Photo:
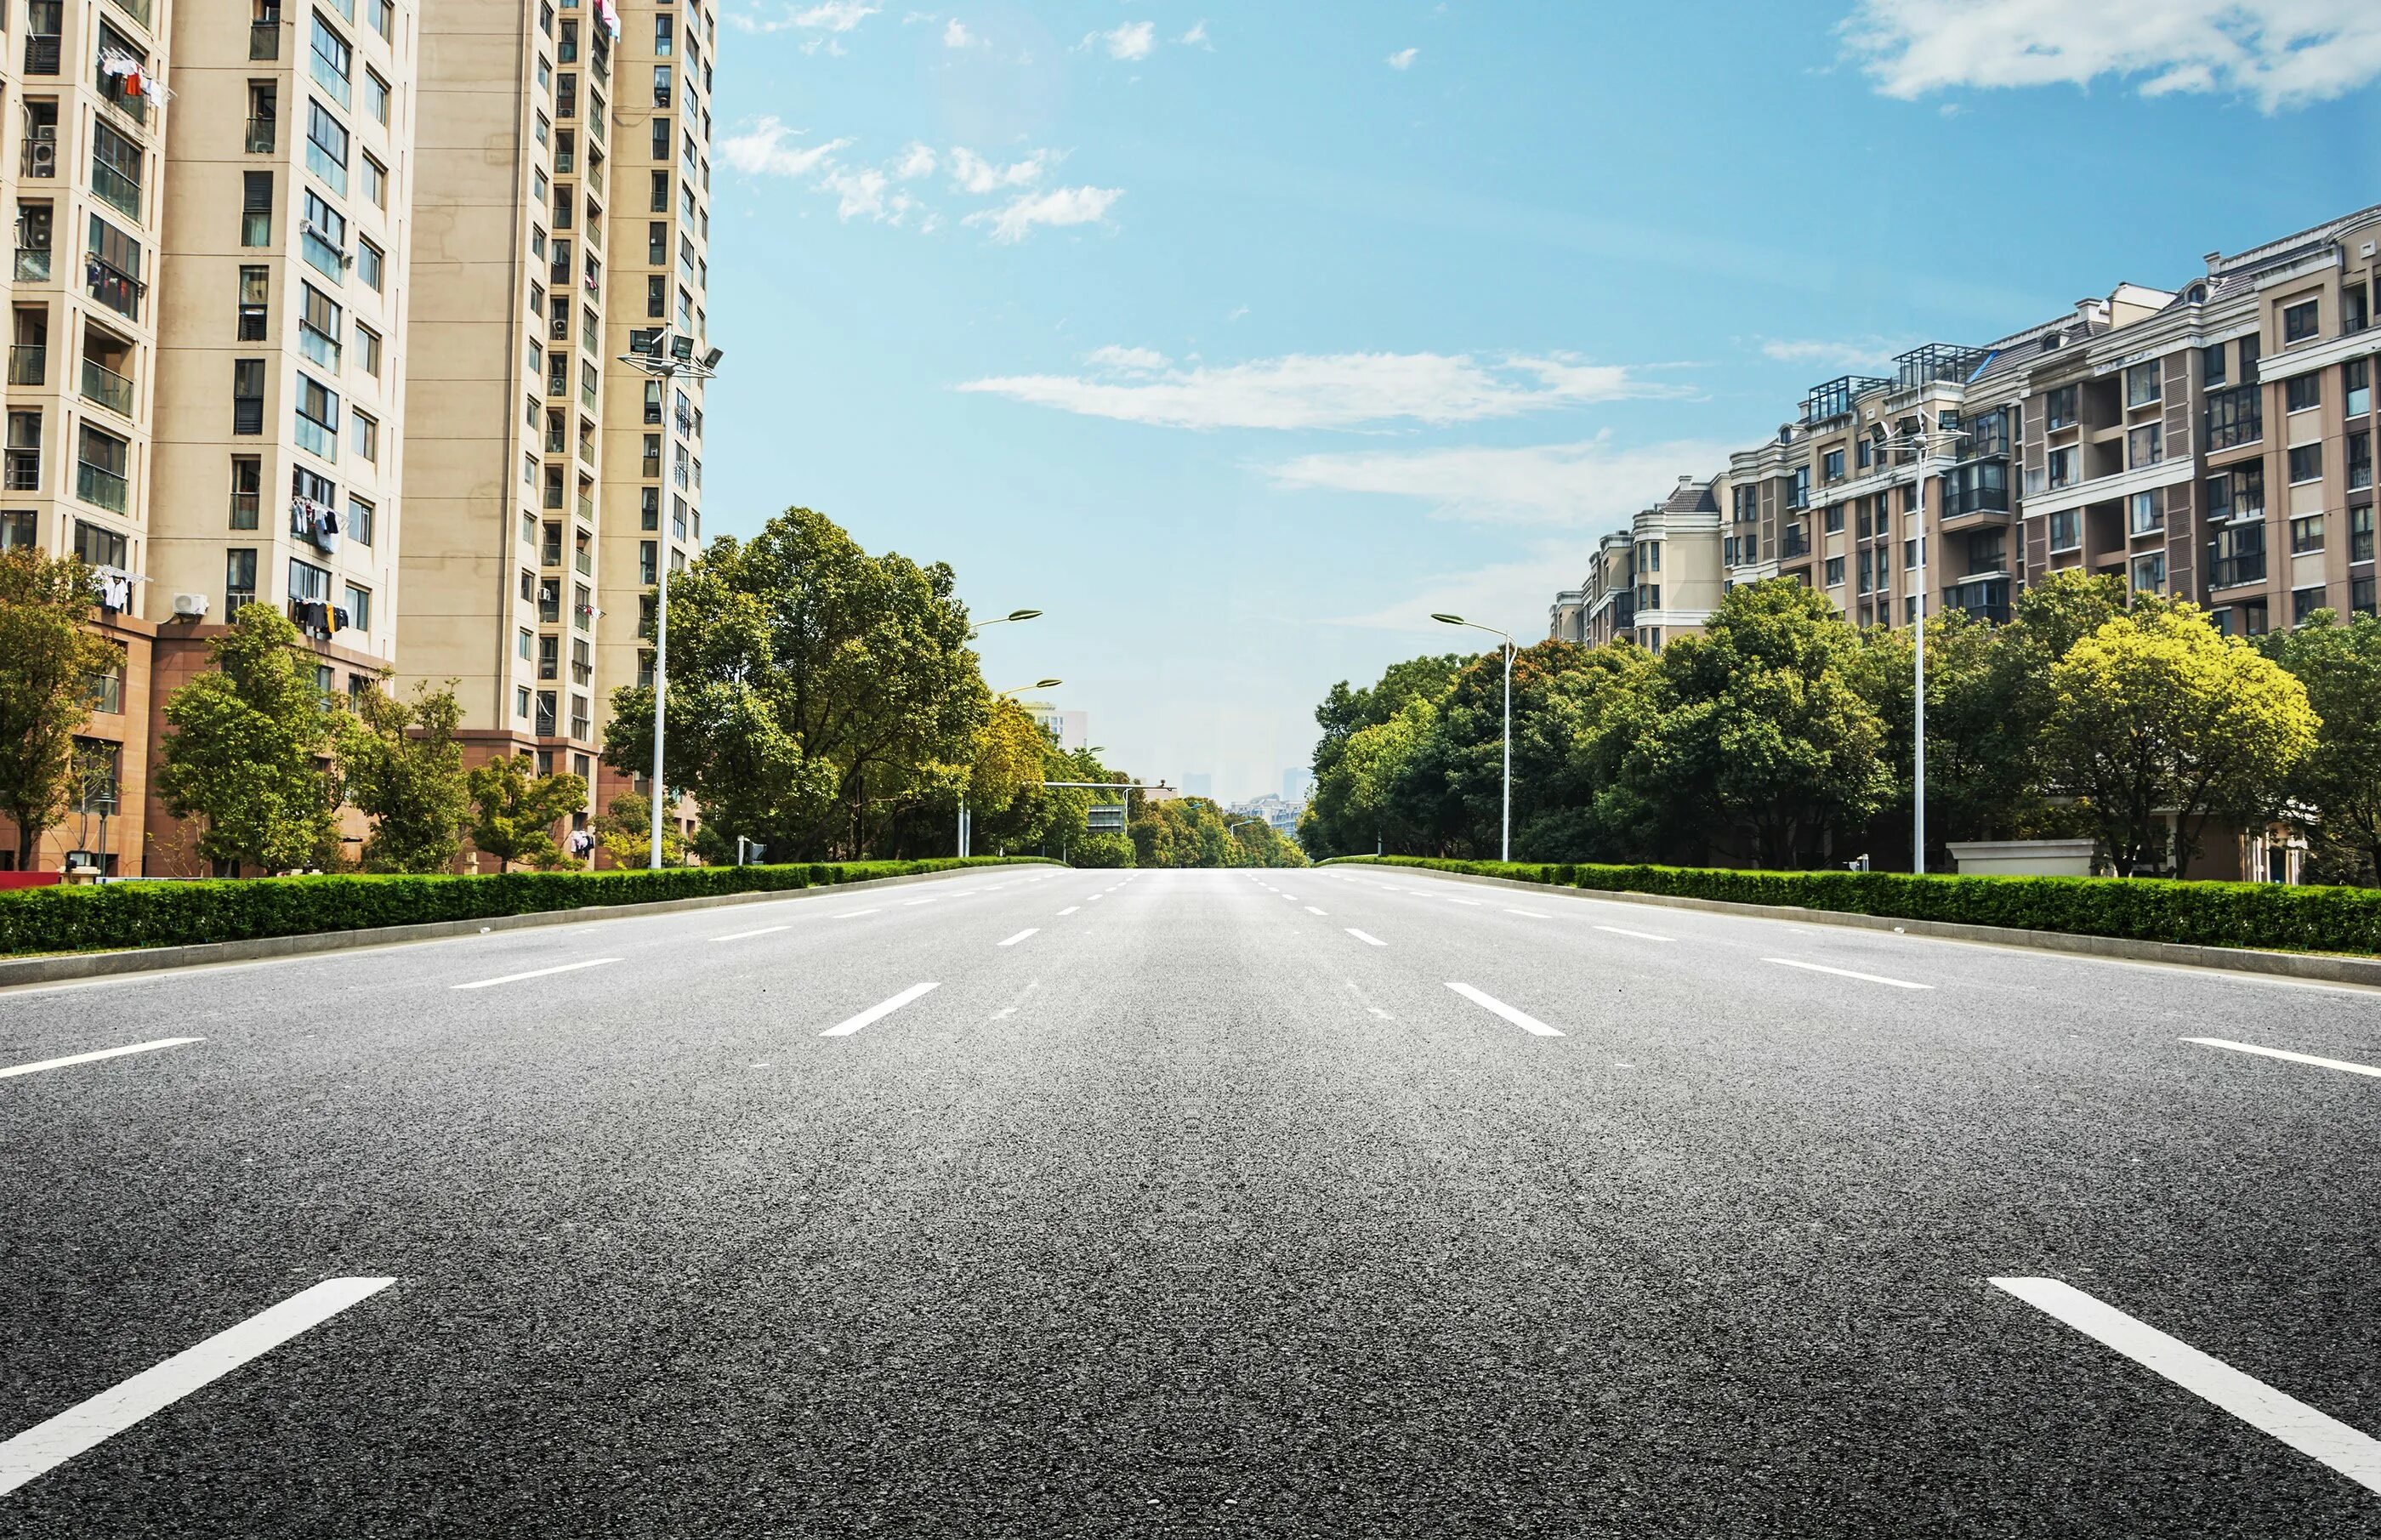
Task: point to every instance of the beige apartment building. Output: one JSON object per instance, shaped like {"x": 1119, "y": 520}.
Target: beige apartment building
{"x": 1660, "y": 578}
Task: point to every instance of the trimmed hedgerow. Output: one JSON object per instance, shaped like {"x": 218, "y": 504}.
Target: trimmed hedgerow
{"x": 116, "y": 915}
{"x": 2269, "y": 916}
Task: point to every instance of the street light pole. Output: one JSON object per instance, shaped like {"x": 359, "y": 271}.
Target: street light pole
{"x": 1506, "y": 850}
{"x": 967, "y": 824}
{"x": 665, "y": 355}
{"x": 1922, "y": 447}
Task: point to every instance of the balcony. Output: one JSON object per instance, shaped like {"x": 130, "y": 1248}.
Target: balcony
{"x": 108, "y": 388}
{"x": 2235, "y": 417}
{"x": 1798, "y": 543}
{"x": 111, "y": 91}
{"x": 101, "y": 487}
{"x": 262, "y": 134}
{"x": 137, "y": 9}
{"x": 21, "y": 471}
{"x": 2236, "y": 571}
{"x": 119, "y": 190}
{"x": 263, "y": 40}
{"x": 29, "y": 364}
{"x": 42, "y": 53}
{"x": 118, "y": 291}
{"x": 1984, "y": 598}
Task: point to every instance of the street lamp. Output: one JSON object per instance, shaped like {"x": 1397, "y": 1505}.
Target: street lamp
{"x": 1505, "y": 853}
{"x": 967, "y": 824}
{"x": 977, "y": 629}
{"x": 660, "y": 353}
{"x": 1928, "y": 443}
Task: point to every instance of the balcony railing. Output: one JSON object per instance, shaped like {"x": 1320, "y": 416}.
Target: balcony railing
{"x": 22, "y": 470}
{"x": 264, "y": 40}
{"x": 117, "y": 189}
{"x": 586, "y": 509}
{"x": 101, "y": 487}
{"x": 261, "y": 133}
{"x": 41, "y": 52}
{"x": 108, "y": 388}
{"x": 2236, "y": 571}
{"x": 585, "y": 563}
{"x": 111, "y": 91}
{"x": 29, "y": 364}
{"x": 236, "y": 600}
{"x": 1798, "y": 544}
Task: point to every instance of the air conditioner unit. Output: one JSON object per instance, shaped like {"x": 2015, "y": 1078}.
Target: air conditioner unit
{"x": 42, "y": 155}
{"x": 189, "y": 606}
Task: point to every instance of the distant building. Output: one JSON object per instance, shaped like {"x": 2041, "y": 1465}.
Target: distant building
{"x": 1279, "y": 811}
{"x": 1070, "y": 730}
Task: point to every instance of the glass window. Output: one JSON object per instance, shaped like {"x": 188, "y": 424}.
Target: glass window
{"x": 2211, "y": 366}
{"x": 2145, "y": 444}
{"x": 2356, "y": 386}
{"x": 2066, "y": 530}
{"x": 256, "y": 208}
{"x": 2303, "y": 392}
{"x": 368, "y": 348}
{"x": 325, "y": 243}
{"x": 376, "y": 180}
{"x": 369, "y": 265}
{"x": 319, "y": 323}
{"x": 376, "y": 97}
{"x": 331, "y": 60}
{"x": 2360, "y": 460}
{"x": 359, "y": 607}
{"x": 2143, "y": 385}
{"x": 384, "y": 19}
{"x": 2149, "y": 573}
{"x": 2298, "y": 323}
{"x": 318, "y": 418}
{"x": 366, "y": 432}
{"x": 362, "y": 516}
{"x": 2306, "y": 463}
{"x": 2360, "y": 534}
{"x": 2306, "y": 534}
{"x": 326, "y": 148}
{"x": 2145, "y": 513}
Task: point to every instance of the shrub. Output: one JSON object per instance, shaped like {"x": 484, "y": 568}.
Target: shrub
{"x": 2265, "y": 915}
{"x": 116, "y": 915}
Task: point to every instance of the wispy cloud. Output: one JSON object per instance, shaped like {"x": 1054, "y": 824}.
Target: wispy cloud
{"x": 972, "y": 173}
{"x": 836, "y": 16}
{"x": 956, "y": 35}
{"x": 1864, "y": 352}
{"x": 2281, "y": 52}
{"x": 1196, "y": 37}
{"x": 1511, "y": 594}
{"x": 1589, "y": 483}
{"x": 1013, "y": 221}
{"x": 1130, "y": 39}
{"x": 1338, "y": 390}
{"x": 916, "y": 161}
{"x": 765, "y": 151}
{"x": 1132, "y": 360}
{"x": 1403, "y": 58}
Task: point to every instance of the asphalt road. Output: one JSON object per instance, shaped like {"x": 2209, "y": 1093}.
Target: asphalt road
{"x": 1192, "y": 1211}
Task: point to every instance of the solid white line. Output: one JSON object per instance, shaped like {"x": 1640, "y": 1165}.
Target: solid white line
{"x": 1068, "y": 910}
{"x": 1845, "y": 974}
{"x": 47, "y": 1445}
{"x": 537, "y": 973}
{"x": 1529, "y": 914}
{"x": 96, "y": 1054}
{"x": 1367, "y": 940}
{"x": 1642, "y": 936}
{"x": 854, "y": 914}
{"x": 2354, "y": 1455}
{"x": 1030, "y": 930}
{"x": 1520, "y": 1018}
{"x": 878, "y": 1012}
{"x": 1311, "y": 909}
{"x": 2238, "y": 1049}
{"x": 741, "y": 935}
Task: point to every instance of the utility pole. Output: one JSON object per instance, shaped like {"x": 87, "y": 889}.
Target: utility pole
{"x": 1506, "y": 850}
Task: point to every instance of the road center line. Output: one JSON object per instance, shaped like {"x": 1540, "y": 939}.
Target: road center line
{"x": 2353, "y": 1454}
{"x": 854, "y": 914}
{"x": 1520, "y": 1018}
{"x": 1311, "y": 909}
{"x": 2242, "y": 1048}
{"x": 1068, "y": 910}
{"x": 1845, "y": 974}
{"x": 1529, "y": 914}
{"x": 538, "y": 972}
{"x": 1095, "y": 898}
{"x": 1367, "y": 940}
{"x": 745, "y": 936}
{"x": 96, "y": 1054}
{"x": 913, "y": 903}
{"x": 1642, "y": 936}
{"x": 1030, "y": 930}
{"x": 878, "y": 1012}
{"x": 1468, "y": 904}
{"x": 48, "y": 1444}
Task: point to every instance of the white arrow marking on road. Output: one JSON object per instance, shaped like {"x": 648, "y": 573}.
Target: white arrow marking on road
{"x": 2353, "y": 1454}
{"x": 1845, "y": 974}
{"x": 1520, "y": 1018}
{"x": 537, "y": 974}
{"x": 96, "y": 1054}
{"x": 878, "y": 1012}
{"x": 47, "y": 1445}
{"x": 1030, "y": 930}
{"x": 1366, "y": 940}
{"x": 747, "y": 935}
{"x": 1642, "y": 936}
{"x": 2269, "y": 1053}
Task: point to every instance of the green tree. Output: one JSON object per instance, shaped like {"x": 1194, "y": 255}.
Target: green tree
{"x": 248, "y": 749}
{"x": 514, "y": 811}
{"x": 625, "y": 829}
{"x": 400, "y": 763}
{"x": 1983, "y": 719}
{"x": 47, "y": 657}
{"x": 2334, "y": 793}
{"x": 2154, "y": 713}
{"x": 1344, "y": 712}
{"x": 1101, "y": 849}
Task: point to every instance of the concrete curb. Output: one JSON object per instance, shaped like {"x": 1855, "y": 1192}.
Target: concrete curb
{"x": 65, "y": 966}
{"x": 2288, "y": 965}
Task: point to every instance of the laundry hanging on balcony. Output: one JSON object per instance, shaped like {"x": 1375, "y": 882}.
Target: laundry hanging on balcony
{"x": 137, "y": 78}
{"x": 113, "y": 586}
{"x": 610, "y": 15}
{"x": 317, "y": 521}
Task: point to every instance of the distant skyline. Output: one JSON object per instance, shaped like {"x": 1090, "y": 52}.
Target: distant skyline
{"x": 1239, "y": 338}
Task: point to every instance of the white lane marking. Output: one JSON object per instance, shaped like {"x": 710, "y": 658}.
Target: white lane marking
{"x": 2252, "y": 1048}
{"x": 1642, "y": 936}
{"x": 913, "y": 903}
{"x": 1367, "y": 940}
{"x": 40, "y": 1065}
{"x": 854, "y": 914}
{"x": 538, "y": 972}
{"x": 1311, "y": 909}
{"x": 2354, "y": 1455}
{"x": 1845, "y": 974}
{"x": 1095, "y": 898}
{"x": 1470, "y": 903}
{"x": 878, "y": 1012}
{"x": 1068, "y": 910}
{"x": 1529, "y": 914}
{"x": 48, "y": 1444}
{"x": 1520, "y": 1018}
{"x": 1030, "y": 930}
{"x": 746, "y": 936}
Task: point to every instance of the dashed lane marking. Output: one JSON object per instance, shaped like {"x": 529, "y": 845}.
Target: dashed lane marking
{"x": 1030, "y": 930}
{"x": 747, "y": 935}
{"x": 538, "y": 972}
{"x": 95, "y": 1055}
{"x": 2339, "y": 1064}
{"x": 1641, "y": 936}
{"x": 879, "y": 1011}
{"x": 1366, "y": 938}
{"x": 1845, "y": 974}
{"x": 1520, "y": 1018}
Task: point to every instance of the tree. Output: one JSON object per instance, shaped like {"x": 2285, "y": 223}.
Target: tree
{"x": 247, "y": 747}
{"x": 47, "y": 657}
{"x": 817, "y": 693}
{"x": 2334, "y": 793}
{"x": 625, "y": 829}
{"x": 516, "y": 811}
{"x": 2155, "y": 713}
{"x": 1984, "y": 709}
{"x": 400, "y": 764}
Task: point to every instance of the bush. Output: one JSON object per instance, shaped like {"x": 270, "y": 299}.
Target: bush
{"x": 116, "y": 915}
{"x": 2265, "y": 915}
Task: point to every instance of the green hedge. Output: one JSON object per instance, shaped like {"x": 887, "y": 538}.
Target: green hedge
{"x": 2269, "y": 916}
{"x": 114, "y": 915}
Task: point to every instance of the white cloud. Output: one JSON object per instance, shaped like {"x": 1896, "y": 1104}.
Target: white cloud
{"x": 1133, "y": 40}
{"x": 1129, "y": 361}
{"x": 1512, "y": 595}
{"x": 956, "y": 35}
{"x": 971, "y": 173}
{"x": 916, "y": 161}
{"x": 1012, "y": 222}
{"x": 835, "y": 16}
{"x": 764, "y": 152}
{"x": 2282, "y": 53}
{"x": 1403, "y": 58}
{"x": 1587, "y": 484}
{"x": 1867, "y": 352}
{"x": 1196, "y": 37}
{"x": 1341, "y": 390}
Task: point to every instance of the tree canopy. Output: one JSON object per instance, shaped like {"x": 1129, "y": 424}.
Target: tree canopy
{"x": 48, "y": 654}
{"x": 249, "y": 749}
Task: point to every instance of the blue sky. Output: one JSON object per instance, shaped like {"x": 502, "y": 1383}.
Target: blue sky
{"x": 1239, "y": 337}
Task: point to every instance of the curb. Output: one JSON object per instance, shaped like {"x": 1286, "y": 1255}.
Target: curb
{"x": 2288, "y": 965}
{"x": 65, "y": 966}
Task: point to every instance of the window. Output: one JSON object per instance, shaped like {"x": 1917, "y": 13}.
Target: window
{"x": 2235, "y": 417}
{"x": 256, "y": 208}
{"x": 255, "y": 302}
{"x": 521, "y": 702}
{"x": 656, "y": 297}
{"x": 2062, "y": 467}
{"x": 369, "y": 265}
{"x": 359, "y": 607}
{"x": 247, "y": 395}
{"x": 2298, "y": 323}
{"x": 2143, "y": 513}
{"x": 1833, "y": 518}
{"x": 308, "y": 580}
{"x": 361, "y": 517}
{"x": 2145, "y": 444}
{"x": 331, "y": 60}
{"x": 2306, "y": 463}
{"x": 1911, "y": 552}
{"x": 661, "y": 85}
{"x": 375, "y": 180}
{"x": 116, "y": 169}
{"x": 2360, "y": 534}
{"x": 2211, "y": 366}
{"x": 2238, "y": 493}
{"x": 368, "y": 348}
{"x": 2356, "y": 386}
{"x": 1835, "y": 572}
{"x": 2066, "y": 530}
{"x": 96, "y": 547}
{"x": 100, "y": 478}
{"x": 2360, "y": 460}
{"x": 325, "y": 244}
{"x": 1831, "y": 464}
{"x": 115, "y": 277}
{"x": 2305, "y": 602}
{"x": 326, "y": 148}
{"x": 2360, "y": 595}
{"x": 2306, "y": 534}
{"x": 24, "y": 464}
{"x": 366, "y": 433}
{"x": 246, "y": 490}
{"x": 239, "y": 580}
{"x": 2353, "y": 315}
{"x": 376, "y": 97}
{"x": 384, "y": 19}
{"x": 662, "y": 25}
{"x": 318, "y": 327}
{"x": 2142, "y": 386}
{"x": 2062, "y": 406}
{"x": 318, "y": 418}
{"x": 2251, "y": 349}
{"x": 2303, "y": 392}
{"x": 2149, "y": 573}
{"x": 663, "y": 138}
{"x": 2236, "y": 557}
